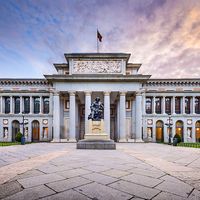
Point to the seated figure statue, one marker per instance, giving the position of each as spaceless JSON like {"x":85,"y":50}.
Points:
{"x":96,"y":110}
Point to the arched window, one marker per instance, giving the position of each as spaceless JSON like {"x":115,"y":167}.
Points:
{"x":26,"y":105}
{"x":7,"y":105}
{"x":17,"y":105}
{"x":36,"y":105}
{"x":45,"y":105}
{"x":149,"y":105}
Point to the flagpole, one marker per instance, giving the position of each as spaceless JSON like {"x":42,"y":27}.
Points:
{"x":97,"y":44}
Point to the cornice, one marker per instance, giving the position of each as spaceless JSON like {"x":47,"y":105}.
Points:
{"x":7,"y":81}
{"x":172,"y":82}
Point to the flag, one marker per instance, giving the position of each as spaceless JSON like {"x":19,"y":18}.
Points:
{"x":99,"y":36}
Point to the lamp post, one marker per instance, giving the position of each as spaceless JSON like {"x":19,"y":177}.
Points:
{"x":23,"y":136}
{"x":169,"y":124}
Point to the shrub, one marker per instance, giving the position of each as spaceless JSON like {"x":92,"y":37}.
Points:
{"x":18,"y":137}
{"x":178,"y":138}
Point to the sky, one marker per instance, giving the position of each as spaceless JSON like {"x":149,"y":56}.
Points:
{"x":163,"y":35}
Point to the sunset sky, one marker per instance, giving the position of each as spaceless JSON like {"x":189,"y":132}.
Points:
{"x":163,"y":35}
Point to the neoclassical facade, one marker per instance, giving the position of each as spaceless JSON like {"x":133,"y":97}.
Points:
{"x":136,"y":107}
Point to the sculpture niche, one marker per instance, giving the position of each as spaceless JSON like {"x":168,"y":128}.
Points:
{"x":97,"y":108}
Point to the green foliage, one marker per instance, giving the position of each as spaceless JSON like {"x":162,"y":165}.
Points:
{"x":193,"y":145}
{"x":18,"y":137}
{"x":178,"y":138}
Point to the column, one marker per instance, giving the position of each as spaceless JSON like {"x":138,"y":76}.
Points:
{"x":31,"y":105}
{"x":1,"y":104}
{"x":21,"y":104}
{"x":41,"y":105}
{"x":72,"y":117}
{"x":138,"y":117}
{"x":118,"y":133}
{"x":193,"y":105}
{"x":87,"y":109}
{"x":183,"y":105}
{"x":51,"y":104}
{"x":163,"y":105}
{"x":56,"y":117}
{"x":107,"y":112}
{"x":133,"y":117}
{"x":154,"y":105}
{"x":122,"y":115}
{"x":11,"y":104}
{"x":173,"y":105}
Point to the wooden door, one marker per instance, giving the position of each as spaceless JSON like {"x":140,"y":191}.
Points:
{"x":35,"y":131}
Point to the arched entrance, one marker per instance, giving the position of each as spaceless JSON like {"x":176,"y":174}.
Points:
{"x":35,"y":131}
{"x":159,"y":131}
{"x":179,"y":129}
{"x":15,"y":129}
{"x":197,"y":130}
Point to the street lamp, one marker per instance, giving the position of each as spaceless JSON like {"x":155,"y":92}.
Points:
{"x":169,"y":124}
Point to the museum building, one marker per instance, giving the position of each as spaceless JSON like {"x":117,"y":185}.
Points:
{"x":136,"y":107}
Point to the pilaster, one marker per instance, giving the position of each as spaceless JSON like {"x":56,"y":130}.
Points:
{"x":87,"y":109}
{"x":107,"y":112}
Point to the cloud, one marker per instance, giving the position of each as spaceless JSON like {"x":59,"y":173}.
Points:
{"x":163,"y":35}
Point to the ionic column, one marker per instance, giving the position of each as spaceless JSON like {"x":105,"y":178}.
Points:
{"x":87,"y":109}
{"x":72,"y":116}
{"x":51,"y":103}
{"x":11,"y":104}
{"x":31,"y":105}
{"x":173,"y":105}
{"x":138,"y":117}
{"x":21,"y":104}
{"x":56,"y":117}
{"x":118,"y":118}
{"x":193,"y":105}
{"x":154,"y":105}
{"x":41,"y":105}
{"x":133,"y":117}
{"x":1,"y":104}
{"x":183,"y":105}
{"x":107,"y":112}
{"x":122,"y":115}
{"x":163,"y":105}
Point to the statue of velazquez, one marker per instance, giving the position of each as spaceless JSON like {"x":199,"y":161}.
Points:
{"x":96,"y":110}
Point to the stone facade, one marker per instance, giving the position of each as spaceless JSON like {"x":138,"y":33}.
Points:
{"x":136,"y":107}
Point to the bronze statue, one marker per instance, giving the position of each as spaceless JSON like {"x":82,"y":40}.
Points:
{"x":97,"y":108}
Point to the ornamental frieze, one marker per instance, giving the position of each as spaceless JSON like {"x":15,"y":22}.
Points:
{"x":97,"y":67}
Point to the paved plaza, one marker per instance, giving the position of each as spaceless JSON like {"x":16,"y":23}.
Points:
{"x":133,"y":171}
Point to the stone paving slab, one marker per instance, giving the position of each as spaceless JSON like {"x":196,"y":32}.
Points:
{"x":134,"y":189}
{"x":100,"y":178}
{"x":32,"y":193}
{"x":101,"y":192}
{"x":180,"y":189}
{"x":168,"y":196}
{"x":39,"y":180}
{"x":116,"y":173}
{"x":73,"y":172}
{"x":142,"y":180}
{"x":67,"y":184}
{"x":9,"y":189}
{"x":96,"y":168}
{"x":69,"y":195}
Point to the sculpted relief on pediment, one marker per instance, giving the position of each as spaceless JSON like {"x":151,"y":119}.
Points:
{"x":97,"y":67}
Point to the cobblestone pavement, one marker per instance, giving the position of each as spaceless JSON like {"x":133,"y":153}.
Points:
{"x":133,"y":171}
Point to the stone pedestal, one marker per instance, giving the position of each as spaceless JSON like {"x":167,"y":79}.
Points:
{"x":96,"y":138}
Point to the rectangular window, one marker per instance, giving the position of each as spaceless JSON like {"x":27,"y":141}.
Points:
{"x":158,"y":105}
{"x":187,"y":105}
{"x":168,"y":105}
{"x":26,"y":105}
{"x":177,"y":105}
{"x":148,"y":105}
{"x":66,"y":104}
{"x":17,"y":105}
{"x":46,"y":105}
{"x":36,"y":105}
{"x":45,"y":132}
{"x":149,"y":132}
{"x":7,"y":105}
{"x":197,"y":105}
